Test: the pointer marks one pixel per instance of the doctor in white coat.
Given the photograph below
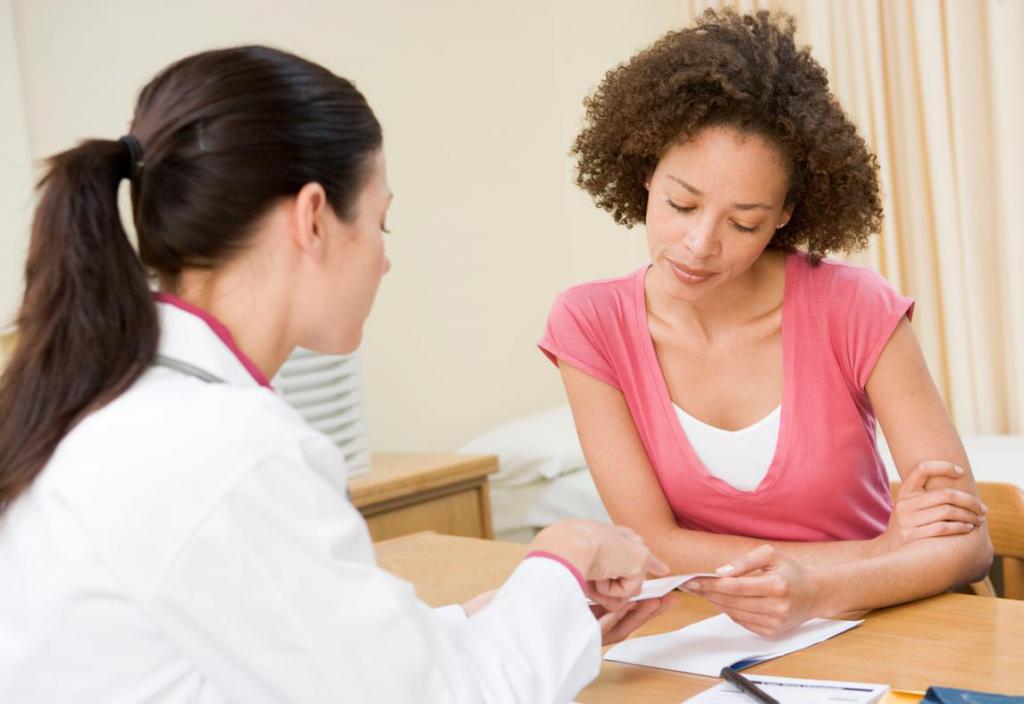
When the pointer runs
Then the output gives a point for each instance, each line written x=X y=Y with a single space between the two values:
x=171 y=531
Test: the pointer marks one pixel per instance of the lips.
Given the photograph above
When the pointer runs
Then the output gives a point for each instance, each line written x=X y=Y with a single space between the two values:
x=688 y=275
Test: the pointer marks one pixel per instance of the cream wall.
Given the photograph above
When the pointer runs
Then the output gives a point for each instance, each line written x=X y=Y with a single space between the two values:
x=479 y=101
x=15 y=171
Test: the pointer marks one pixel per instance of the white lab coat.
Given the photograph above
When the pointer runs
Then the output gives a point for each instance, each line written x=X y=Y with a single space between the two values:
x=191 y=542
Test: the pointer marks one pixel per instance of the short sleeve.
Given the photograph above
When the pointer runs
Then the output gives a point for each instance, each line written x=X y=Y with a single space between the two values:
x=864 y=312
x=575 y=335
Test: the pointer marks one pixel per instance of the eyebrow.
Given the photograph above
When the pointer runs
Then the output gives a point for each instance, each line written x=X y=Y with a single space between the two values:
x=738 y=206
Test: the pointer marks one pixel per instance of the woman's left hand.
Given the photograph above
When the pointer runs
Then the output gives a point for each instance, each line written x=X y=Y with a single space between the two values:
x=616 y=625
x=765 y=591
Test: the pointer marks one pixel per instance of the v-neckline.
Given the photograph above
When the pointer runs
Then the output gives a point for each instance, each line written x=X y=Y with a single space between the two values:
x=668 y=408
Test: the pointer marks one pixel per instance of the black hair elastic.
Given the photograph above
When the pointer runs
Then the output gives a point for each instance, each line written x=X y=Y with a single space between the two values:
x=135 y=161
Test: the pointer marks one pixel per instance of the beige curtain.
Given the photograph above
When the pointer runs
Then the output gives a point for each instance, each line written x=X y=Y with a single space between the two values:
x=937 y=89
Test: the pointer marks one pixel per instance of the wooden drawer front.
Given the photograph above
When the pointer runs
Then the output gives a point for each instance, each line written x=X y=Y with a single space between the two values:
x=460 y=513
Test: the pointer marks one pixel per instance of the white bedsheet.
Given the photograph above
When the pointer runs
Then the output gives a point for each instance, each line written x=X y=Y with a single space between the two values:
x=519 y=511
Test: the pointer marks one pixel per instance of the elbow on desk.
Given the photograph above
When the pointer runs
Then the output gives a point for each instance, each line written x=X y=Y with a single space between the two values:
x=978 y=560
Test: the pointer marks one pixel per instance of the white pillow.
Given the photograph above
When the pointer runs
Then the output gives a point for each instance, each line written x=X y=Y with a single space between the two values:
x=536 y=447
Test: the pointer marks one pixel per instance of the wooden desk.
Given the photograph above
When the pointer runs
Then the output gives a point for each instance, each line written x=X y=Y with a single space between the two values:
x=953 y=639
x=410 y=492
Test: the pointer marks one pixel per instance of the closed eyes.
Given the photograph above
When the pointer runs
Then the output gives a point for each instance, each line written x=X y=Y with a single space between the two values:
x=687 y=209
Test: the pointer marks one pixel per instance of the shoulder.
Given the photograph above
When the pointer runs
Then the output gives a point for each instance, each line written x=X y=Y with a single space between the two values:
x=138 y=476
x=189 y=418
x=594 y=299
x=836 y=278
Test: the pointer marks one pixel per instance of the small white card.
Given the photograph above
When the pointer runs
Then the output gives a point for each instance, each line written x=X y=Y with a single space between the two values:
x=657 y=588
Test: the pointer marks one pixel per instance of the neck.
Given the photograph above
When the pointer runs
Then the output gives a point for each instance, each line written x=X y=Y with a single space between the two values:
x=257 y=321
x=756 y=293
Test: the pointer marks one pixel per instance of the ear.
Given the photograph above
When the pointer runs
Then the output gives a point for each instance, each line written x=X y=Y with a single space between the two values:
x=787 y=213
x=308 y=220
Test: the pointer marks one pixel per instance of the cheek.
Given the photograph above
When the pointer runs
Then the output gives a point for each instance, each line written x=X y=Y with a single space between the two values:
x=745 y=252
x=662 y=230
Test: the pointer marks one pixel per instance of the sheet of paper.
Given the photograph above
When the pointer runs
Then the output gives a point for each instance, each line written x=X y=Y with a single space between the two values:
x=654 y=588
x=789 y=690
x=705 y=647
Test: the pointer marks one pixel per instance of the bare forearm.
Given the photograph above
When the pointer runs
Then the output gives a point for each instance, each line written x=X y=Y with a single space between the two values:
x=696 y=551
x=913 y=571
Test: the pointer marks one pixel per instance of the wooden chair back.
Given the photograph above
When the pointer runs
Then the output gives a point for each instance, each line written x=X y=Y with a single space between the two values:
x=1005 y=521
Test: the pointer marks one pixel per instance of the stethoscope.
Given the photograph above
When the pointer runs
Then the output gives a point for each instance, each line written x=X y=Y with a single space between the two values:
x=186 y=368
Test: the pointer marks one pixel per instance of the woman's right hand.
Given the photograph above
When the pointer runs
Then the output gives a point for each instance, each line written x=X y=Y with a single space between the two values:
x=613 y=560
x=923 y=510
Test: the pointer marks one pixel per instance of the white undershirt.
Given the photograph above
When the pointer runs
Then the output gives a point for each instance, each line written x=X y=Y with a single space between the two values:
x=740 y=458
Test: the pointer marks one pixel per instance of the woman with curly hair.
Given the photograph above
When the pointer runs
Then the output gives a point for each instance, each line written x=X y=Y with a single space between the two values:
x=726 y=394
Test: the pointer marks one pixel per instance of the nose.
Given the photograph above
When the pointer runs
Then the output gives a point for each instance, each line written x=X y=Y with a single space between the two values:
x=701 y=239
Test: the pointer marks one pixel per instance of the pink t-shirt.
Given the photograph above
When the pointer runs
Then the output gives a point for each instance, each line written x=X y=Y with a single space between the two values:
x=826 y=480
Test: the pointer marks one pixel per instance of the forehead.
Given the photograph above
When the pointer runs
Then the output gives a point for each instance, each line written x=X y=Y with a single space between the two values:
x=724 y=161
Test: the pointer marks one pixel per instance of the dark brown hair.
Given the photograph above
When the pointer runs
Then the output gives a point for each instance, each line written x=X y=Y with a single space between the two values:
x=744 y=72
x=223 y=134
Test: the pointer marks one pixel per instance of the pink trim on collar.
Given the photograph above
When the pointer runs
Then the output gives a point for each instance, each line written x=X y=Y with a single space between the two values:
x=219 y=330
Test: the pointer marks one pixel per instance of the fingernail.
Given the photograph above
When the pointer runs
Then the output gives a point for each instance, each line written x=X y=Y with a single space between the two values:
x=984 y=508
x=725 y=569
x=692 y=586
x=959 y=469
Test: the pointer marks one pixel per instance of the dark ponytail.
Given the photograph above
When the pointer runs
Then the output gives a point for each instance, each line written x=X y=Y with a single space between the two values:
x=222 y=135
x=87 y=325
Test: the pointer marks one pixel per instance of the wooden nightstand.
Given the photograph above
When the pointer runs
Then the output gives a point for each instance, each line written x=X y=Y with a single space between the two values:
x=407 y=493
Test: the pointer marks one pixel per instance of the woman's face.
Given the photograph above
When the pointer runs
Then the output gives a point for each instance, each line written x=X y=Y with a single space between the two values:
x=714 y=203
x=353 y=265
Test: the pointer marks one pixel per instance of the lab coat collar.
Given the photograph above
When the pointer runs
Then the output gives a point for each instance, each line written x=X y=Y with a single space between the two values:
x=190 y=334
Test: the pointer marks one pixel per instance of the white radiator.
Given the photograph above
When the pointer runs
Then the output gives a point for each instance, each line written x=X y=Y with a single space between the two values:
x=328 y=391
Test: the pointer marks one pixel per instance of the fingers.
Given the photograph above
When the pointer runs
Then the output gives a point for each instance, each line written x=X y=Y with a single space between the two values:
x=624 y=556
x=947 y=513
x=935 y=530
x=655 y=566
x=764 y=585
x=951 y=497
x=623 y=588
x=756 y=559
x=615 y=626
x=607 y=603
x=763 y=624
x=926 y=470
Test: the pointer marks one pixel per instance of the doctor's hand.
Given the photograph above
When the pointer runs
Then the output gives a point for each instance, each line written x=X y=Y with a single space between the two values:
x=471 y=606
x=613 y=560
x=765 y=591
x=928 y=506
x=616 y=625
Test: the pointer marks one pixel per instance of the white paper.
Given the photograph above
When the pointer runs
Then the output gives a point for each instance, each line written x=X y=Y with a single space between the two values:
x=705 y=647
x=655 y=588
x=789 y=690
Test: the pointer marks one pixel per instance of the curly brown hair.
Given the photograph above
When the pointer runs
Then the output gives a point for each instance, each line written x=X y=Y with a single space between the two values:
x=744 y=72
